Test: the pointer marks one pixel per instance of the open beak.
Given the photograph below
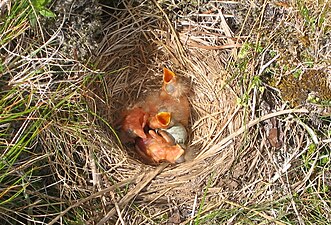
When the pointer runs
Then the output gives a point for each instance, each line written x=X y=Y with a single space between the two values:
x=164 y=118
x=160 y=120
x=168 y=75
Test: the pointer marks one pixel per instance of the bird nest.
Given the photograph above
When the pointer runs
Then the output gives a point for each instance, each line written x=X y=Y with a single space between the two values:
x=136 y=45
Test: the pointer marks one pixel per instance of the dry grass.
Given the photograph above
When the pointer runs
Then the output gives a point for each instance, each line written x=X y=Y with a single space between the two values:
x=250 y=159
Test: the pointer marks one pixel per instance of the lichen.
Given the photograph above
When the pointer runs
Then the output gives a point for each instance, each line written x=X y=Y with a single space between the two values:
x=311 y=86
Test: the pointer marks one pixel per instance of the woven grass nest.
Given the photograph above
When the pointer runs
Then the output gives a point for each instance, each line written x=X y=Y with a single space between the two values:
x=135 y=48
x=138 y=41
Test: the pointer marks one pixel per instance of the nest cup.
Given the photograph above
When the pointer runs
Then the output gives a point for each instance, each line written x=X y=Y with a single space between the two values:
x=136 y=45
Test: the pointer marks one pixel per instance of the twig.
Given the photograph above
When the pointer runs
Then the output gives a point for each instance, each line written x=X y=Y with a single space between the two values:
x=213 y=150
x=226 y=46
x=193 y=208
x=117 y=208
x=263 y=67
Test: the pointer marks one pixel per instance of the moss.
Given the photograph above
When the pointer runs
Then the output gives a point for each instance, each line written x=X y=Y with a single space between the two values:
x=297 y=90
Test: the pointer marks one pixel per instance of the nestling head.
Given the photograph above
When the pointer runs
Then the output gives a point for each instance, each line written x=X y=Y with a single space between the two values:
x=171 y=85
x=160 y=120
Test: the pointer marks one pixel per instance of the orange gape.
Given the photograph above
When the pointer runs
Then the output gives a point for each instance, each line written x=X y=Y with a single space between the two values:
x=158 y=149
x=160 y=120
x=167 y=113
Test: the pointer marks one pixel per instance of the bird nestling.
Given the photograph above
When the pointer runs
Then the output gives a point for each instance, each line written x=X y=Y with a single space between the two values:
x=160 y=148
x=158 y=124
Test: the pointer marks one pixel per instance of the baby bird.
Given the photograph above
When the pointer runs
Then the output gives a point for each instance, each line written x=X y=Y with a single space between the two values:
x=133 y=123
x=160 y=148
x=173 y=97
